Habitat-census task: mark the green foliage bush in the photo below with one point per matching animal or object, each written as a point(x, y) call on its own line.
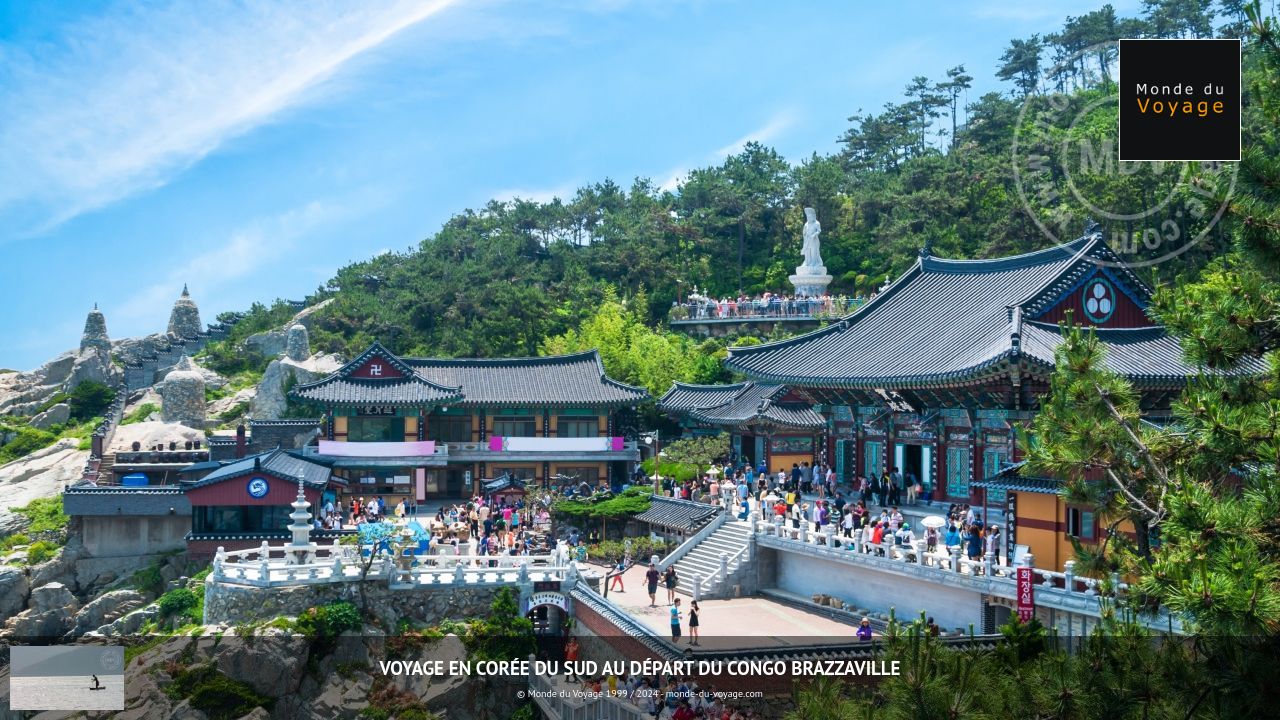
point(177, 601)
point(215, 694)
point(140, 413)
point(504, 634)
point(43, 514)
point(89, 399)
point(11, 541)
point(26, 441)
point(641, 548)
point(328, 621)
point(41, 551)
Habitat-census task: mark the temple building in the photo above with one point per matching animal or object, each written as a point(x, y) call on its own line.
point(418, 428)
point(941, 373)
point(239, 504)
point(766, 423)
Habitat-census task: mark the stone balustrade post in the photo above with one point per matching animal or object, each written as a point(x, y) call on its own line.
point(336, 572)
point(921, 547)
point(264, 550)
point(459, 575)
point(218, 559)
point(264, 571)
point(724, 566)
point(830, 532)
point(524, 571)
point(1069, 576)
point(955, 559)
point(988, 560)
point(804, 532)
point(696, 587)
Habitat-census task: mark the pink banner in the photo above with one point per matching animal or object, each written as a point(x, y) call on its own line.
point(377, 449)
point(1026, 595)
point(562, 445)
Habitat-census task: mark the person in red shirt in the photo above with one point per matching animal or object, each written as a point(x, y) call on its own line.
point(780, 508)
point(683, 712)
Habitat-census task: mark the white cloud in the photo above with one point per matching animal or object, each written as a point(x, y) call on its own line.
point(129, 99)
point(771, 129)
point(246, 251)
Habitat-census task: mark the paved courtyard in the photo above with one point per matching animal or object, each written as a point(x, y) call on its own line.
point(734, 623)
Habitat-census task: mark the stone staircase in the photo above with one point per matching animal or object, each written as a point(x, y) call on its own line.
point(109, 462)
point(704, 560)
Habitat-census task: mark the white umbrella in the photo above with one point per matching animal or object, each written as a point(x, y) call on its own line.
point(934, 521)
point(714, 471)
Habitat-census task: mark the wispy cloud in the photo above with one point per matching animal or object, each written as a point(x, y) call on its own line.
point(772, 128)
point(129, 99)
point(246, 251)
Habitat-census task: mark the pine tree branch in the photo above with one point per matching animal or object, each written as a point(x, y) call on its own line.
point(1154, 516)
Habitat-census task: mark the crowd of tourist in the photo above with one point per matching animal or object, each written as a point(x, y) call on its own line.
point(763, 306)
point(786, 496)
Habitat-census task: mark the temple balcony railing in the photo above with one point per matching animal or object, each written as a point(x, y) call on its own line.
point(760, 309)
point(289, 566)
point(1062, 590)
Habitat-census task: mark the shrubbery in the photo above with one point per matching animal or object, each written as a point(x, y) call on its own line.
point(328, 621)
point(26, 441)
point(216, 695)
point(44, 514)
point(41, 551)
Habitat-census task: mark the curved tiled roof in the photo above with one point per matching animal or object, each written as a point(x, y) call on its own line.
point(954, 321)
point(280, 463)
point(673, 513)
point(755, 405)
point(341, 388)
point(683, 397)
point(1142, 354)
point(404, 391)
point(555, 380)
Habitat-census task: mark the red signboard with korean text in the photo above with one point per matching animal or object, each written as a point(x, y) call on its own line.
point(1026, 595)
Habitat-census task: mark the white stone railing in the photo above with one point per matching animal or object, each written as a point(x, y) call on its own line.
point(282, 566)
point(692, 541)
point(728, 565)
point(945, 562)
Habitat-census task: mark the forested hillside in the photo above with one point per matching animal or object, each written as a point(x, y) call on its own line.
point(931, 170)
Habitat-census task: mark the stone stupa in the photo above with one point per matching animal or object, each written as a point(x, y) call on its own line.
point(184, 320)
point(182, 395)
point(95, 332)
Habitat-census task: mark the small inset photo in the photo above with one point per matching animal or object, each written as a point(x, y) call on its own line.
point(76, 677)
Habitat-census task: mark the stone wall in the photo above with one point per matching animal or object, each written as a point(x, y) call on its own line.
point(238, 604)
point(110, 537)
point(952, 607)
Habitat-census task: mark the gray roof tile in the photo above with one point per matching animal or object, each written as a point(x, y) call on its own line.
point(948, 320)
point(673, 513)
point(276, 462)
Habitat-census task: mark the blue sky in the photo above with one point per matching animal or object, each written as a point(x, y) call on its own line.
point(252, 149)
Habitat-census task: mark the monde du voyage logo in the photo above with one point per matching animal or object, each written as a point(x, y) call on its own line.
point(1180, 100)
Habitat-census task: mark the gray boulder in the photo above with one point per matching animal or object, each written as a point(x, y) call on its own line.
point(54, 596)
point(13, 591)
point(57, 415)
point(270, 401)
point(107, 608)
